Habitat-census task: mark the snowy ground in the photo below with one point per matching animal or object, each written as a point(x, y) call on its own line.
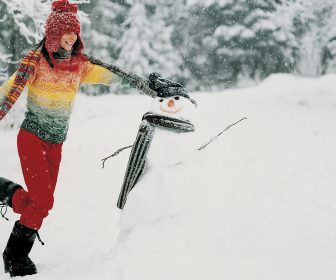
point(258, 203)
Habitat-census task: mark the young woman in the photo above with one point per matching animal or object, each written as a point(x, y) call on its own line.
point(52, 72)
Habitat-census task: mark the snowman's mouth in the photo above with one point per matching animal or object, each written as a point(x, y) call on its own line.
point(170, 111)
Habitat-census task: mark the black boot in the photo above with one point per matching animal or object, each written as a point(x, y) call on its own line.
point(15, 256)
point(7, 190)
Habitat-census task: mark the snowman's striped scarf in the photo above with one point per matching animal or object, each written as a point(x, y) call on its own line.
point(137, 159)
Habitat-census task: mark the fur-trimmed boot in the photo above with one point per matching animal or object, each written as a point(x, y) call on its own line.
point(15, 256)
point(7, 190)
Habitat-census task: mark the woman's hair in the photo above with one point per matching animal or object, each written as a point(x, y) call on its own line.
point(46, 54)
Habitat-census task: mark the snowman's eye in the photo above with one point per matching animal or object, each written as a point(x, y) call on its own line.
point(160, 100)
point(176, 98)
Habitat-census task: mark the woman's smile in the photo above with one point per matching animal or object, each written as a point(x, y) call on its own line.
point(68, 40)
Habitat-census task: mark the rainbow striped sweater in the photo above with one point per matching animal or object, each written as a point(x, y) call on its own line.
point(51, 95)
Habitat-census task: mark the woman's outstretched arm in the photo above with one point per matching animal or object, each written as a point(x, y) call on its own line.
point(99, 72)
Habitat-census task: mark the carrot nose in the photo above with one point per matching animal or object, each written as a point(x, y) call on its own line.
point(171, 103)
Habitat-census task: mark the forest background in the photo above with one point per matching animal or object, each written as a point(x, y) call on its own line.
point(204, 44)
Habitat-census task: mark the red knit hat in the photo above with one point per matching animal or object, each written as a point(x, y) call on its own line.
point(63, 19)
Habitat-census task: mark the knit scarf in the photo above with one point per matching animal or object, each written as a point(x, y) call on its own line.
point(27, 68)
point(137, 159)
point(62, 54)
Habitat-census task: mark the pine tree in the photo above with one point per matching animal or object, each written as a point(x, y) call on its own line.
point(105, 29)
point(328, 54)
point(146, 41)
point(4, 62)
point(105, 32)
point(229, 39)
point(12, 41)
point(5, 55)
point(316, 34)
point(308, 29)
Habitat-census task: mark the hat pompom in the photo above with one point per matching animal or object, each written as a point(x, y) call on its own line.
point(64, 6)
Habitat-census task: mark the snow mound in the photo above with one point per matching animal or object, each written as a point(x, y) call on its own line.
point(254, 204)
point(258, 203)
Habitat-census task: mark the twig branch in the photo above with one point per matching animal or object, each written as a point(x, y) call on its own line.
point(199, 149)
point(215, 137)
point(115, 154)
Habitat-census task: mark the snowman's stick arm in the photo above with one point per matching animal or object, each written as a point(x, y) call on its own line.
point(115, 153)
point(215, 137)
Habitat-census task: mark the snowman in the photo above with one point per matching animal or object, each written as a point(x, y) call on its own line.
point(163, 142)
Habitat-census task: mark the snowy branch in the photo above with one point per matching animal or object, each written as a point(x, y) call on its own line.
point(5, 57)
point(3, 19)
point(29, 16)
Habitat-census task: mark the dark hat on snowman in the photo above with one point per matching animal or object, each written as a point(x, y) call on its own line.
point(166, 88)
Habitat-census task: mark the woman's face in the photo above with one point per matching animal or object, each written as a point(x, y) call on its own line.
point(67, 40)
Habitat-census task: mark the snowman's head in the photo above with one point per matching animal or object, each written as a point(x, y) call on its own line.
point(176, 106)
point(172, 98)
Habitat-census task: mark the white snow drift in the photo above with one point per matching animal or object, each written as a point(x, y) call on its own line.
point(258, 203)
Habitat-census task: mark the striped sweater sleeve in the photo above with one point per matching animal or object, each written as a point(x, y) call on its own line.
point(4, 92)
point(11, 90)
point(96, 74)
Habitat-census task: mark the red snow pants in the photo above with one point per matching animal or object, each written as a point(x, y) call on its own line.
point(40, 163)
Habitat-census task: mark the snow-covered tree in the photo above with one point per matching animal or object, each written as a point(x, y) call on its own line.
point(285, 33)
point(105, 29)
point(4, 61)
point(29, 16)
point(146, 41)
point(308, 29)
point(103, 34)
point(200, 43)
point(12, 42)
point(228, 39)
point(328, 55)
point(316, 33)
